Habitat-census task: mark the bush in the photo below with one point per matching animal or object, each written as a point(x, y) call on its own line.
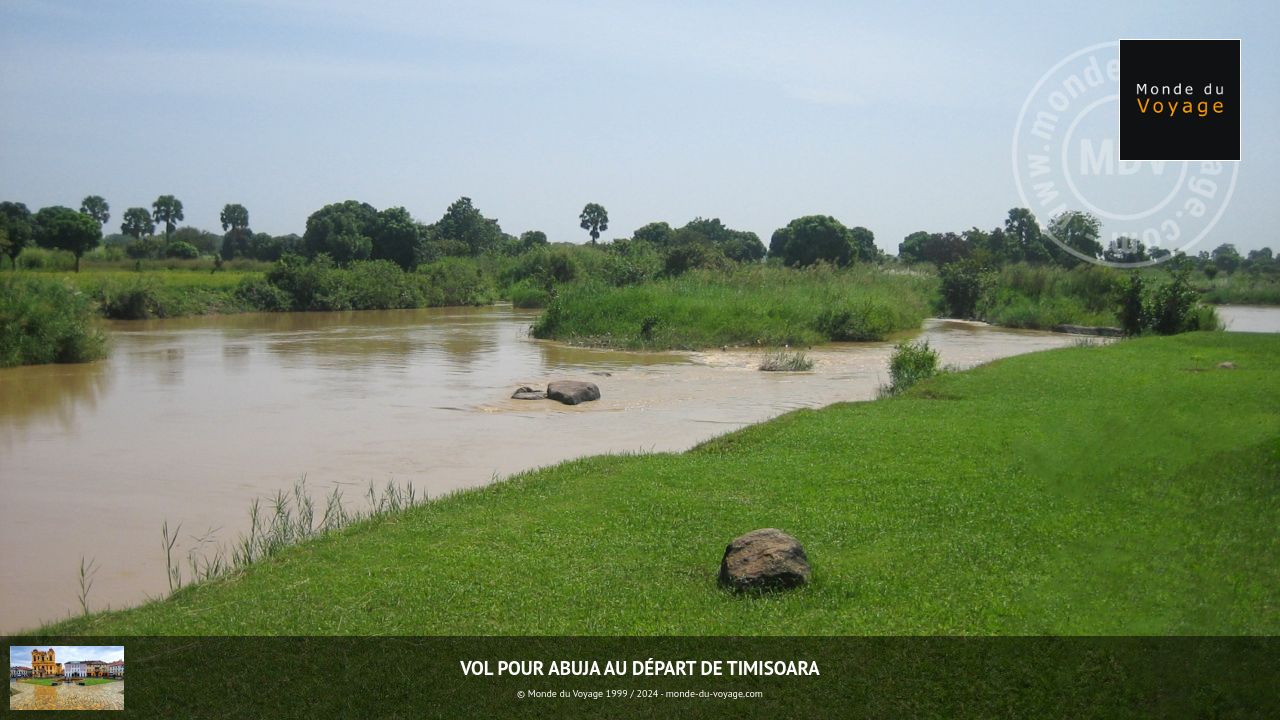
point(911, 363)
point(867, 320)
point(784, 361)
point(456, 281)
point(963, 284)
point(1174, 306)
point(38, 258)
point(529, 294)
point(135, 298)
point(256, 293)
point(179, 249)
point(1133, 316)
point(46, 321)
point(381, 284)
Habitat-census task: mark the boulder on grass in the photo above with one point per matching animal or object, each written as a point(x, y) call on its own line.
point(572, 392)
point(766, 559)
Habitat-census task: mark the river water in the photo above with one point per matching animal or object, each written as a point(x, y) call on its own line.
point(190, 419)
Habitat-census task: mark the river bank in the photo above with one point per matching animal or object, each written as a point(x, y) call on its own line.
point(419, 396)
point(972, 504)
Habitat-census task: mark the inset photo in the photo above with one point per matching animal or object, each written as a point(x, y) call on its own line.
point(66, 677)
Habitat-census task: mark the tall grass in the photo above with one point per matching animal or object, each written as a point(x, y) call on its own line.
point(43, 320)
point(283, 520)
point(786, 361)
point(750, 305)
point(1043, 296)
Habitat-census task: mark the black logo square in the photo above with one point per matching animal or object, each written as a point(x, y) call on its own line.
point(1179, 99)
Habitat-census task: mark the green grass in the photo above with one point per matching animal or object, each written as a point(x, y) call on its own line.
point(785, 361)
point(1123, 489)
point(1241, 289)
point(750, 305)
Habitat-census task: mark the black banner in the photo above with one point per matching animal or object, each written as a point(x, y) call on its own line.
point(695, 677)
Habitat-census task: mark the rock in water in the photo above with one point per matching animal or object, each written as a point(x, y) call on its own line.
point(572, 392)
point(766, 559)
point(528, 393)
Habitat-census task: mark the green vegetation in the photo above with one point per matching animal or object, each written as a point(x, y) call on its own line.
point(43, 321)
point(911, 362)
point(786, 361)
point(760, 306)
point(1136, 498)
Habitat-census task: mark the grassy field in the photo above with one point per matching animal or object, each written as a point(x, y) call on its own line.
point(759, 306)
point(1126, 489)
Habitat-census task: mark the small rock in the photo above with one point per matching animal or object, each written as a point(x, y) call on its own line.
point(572, 392)
point(528, 393)
point(766, 559)
point(602, 373)
point(1226, 365)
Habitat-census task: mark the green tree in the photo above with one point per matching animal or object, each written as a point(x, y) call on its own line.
point(97, 208)
point(1023, 239)
point(16, 231)
point(1078, 231)
point(464, 223)
point(341, 231)
point(657, 234)
point(138, 223)
point(1227, 258)
point(809, 239)
point(864, 244)
point(530, 239)
point(167, 209)
point(594, 219)
point(235, 223)
point(738, 245)
point(65, 229)
point(397, 237)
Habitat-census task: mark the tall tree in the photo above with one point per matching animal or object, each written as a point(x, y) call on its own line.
point(16, 231)
point(397, 237)
point(1078, 231)
point(807, 240)
point(595, 220)
point(342, 231)
point(463, 223)
point(65, 229)
point(864, 244)
point(1023, 240)
point(235, 222)
point(657, 234)
point(530, 239)
point(97, 208)
point(167, 209)
point(138, 223)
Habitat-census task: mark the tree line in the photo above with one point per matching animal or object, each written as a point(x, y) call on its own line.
point(352, 230)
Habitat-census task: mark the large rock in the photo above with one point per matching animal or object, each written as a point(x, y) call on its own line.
point(528, 393)
point(766, 559)
point(572, 392)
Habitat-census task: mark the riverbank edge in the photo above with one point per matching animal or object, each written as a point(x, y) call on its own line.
point(578, 471)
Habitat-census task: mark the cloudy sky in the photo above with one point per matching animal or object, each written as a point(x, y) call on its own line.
point(895, 116)
point(21, 654)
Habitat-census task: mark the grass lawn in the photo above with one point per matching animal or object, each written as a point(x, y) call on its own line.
point(1127, 489)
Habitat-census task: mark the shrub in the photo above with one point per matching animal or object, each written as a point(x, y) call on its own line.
point(963, 284)
point(1173, 305)
point(456, 281)
point(46, 321)
point(135, 298)
point(179, 249)
point(911, 363)
point(866, 320)
point(784, 361)
point(381, 284)
point(529, 294)
point(38, 258)
point(1133, 316)
point(255, 293)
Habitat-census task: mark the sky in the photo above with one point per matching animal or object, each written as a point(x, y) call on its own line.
point(895, 116)
point(21, 654)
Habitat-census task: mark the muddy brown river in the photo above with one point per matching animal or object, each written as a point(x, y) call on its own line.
point(190, 419)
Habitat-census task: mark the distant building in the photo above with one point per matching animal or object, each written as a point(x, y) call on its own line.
point(19, 671)
point(115, 669)
point(44, 664)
